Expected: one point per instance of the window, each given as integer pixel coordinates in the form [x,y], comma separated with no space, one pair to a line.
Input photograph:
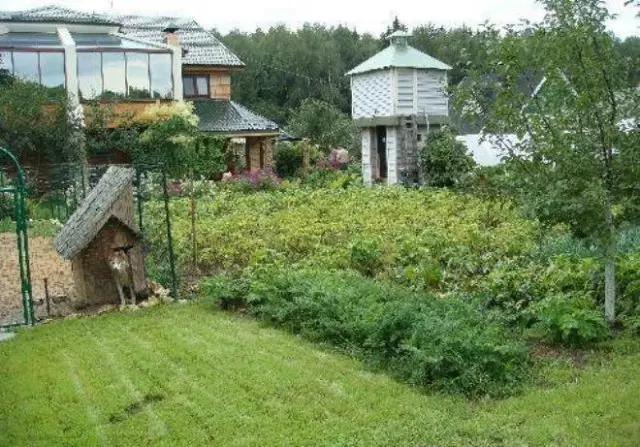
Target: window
[90,75]
[25,65]
[33,57]
[138,80]
[161,75]
[196,85]
[43,67]
[52,69]
[113,73]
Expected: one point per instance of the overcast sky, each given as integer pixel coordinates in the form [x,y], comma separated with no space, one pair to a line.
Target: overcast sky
[365,15]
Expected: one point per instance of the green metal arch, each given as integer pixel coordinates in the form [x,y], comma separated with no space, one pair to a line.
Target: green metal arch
[19,192]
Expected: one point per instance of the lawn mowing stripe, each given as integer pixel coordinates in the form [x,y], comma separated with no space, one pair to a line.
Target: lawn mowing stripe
[172,387]
[157,426]
[234,419]
[191,344]
[192,336]
[93,370]
[92,412]
[200,359]
[200,366]
[204,366]
[36,383]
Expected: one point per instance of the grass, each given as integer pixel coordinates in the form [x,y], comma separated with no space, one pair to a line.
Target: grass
[185,375]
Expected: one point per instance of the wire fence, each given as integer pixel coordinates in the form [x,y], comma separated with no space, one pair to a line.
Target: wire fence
[54,193]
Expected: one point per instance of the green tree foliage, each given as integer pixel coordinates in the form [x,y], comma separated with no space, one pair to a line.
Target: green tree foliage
[285,67]
[171,137]
[396,25]
[574,163]
[444,160]
[35,122]
[324,124]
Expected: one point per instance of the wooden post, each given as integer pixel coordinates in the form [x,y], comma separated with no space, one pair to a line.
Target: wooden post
[306,159]
[46,296]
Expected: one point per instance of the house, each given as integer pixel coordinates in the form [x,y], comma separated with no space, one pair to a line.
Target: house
[489,149]
[129,62]
[398,97]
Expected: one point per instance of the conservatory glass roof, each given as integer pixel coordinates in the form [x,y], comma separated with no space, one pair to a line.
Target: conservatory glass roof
[110,41]
[30,40]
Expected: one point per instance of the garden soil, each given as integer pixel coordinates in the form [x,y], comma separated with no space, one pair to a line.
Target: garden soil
[45,263]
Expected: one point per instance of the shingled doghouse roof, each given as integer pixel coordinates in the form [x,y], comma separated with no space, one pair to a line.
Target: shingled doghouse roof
[85,223]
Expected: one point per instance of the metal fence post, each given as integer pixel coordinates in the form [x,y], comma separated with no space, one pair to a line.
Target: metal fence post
[174,279]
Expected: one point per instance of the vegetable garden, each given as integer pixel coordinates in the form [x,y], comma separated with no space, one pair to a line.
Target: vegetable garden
[442,289]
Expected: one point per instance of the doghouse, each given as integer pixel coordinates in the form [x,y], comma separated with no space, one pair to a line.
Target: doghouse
[104,223]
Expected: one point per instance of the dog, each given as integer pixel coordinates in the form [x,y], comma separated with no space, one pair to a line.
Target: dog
[120,266]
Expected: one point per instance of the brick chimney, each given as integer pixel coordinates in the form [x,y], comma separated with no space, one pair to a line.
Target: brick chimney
[171,35]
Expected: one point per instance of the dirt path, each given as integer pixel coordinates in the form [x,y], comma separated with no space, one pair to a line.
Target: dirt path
[45,263]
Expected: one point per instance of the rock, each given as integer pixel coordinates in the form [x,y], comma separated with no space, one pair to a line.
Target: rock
[6,336]
[151,302]
[106,309]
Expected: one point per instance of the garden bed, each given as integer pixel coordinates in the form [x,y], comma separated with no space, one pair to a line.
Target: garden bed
[45,263]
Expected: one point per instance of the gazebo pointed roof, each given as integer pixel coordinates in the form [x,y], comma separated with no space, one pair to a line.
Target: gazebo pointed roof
[399,54]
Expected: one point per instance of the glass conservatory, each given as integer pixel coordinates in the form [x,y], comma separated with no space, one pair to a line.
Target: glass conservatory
[109,66]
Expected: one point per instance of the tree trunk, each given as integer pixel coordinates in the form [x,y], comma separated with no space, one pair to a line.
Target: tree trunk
[610,270]
[610,289]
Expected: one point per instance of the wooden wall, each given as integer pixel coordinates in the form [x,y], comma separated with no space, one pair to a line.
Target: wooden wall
[123,111]
[94,283]
[259,153]
[220,86]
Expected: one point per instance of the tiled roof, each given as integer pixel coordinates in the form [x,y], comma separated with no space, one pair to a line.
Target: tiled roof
[202,47]
[227,116]
[399,56]
[56,14]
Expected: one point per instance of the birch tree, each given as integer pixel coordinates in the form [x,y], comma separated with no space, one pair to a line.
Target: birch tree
[577,155]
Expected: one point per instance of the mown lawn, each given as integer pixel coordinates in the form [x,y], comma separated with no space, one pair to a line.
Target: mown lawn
[185,375]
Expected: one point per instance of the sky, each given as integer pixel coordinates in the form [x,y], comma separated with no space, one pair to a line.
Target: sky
[371,16]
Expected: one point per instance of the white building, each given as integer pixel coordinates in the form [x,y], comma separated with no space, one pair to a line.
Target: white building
[398,96]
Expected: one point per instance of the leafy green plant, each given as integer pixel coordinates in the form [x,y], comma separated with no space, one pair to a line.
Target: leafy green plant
[444,345]
[445,161]
[288,159]
[366,255]
[567,319]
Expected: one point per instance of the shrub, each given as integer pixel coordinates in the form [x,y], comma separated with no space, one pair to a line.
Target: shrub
[326,176]
[253,180]
[516,284]
[445,160]
[569,320]
[366,255]
[445,345]
[288,159]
